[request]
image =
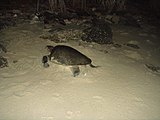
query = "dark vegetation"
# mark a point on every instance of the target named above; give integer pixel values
(147, 10)
(63, 5)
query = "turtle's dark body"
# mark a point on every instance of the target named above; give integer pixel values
(67, 56)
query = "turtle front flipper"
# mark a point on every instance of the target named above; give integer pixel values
(45, 61)
(75, 70)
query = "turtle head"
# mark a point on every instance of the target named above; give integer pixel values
(49, 48)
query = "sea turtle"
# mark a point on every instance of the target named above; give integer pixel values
(68, 56)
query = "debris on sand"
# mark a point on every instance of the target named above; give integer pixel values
(153, 68)
(3, 62)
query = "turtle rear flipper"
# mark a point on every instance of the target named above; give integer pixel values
(93, 66)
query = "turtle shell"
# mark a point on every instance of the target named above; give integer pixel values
(68, 56)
